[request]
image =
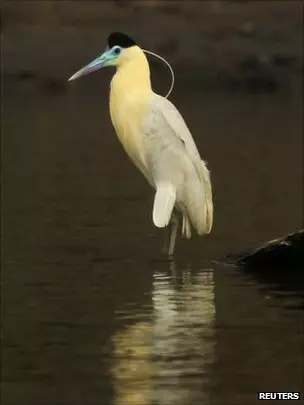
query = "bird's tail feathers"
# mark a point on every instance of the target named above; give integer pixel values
(201, 213)
(208, 198)
(164, 202)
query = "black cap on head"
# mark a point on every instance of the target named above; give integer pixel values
(120, 39)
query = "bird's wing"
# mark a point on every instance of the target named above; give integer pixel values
(164, 202)
(175, 121)
(166, 129)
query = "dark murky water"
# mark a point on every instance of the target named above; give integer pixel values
(92, 313)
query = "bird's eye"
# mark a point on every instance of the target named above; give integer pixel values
(117, 51)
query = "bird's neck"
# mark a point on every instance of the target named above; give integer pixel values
(132, 77)
(129, 100)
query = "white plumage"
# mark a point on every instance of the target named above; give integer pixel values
(172, 158)
(164, 201)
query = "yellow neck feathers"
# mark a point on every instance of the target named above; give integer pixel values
(129, 101)
(133, 73)
(130, 90)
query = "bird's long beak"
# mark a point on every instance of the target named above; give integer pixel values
(96, 64)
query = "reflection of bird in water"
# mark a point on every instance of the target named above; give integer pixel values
(164, 355)
(156, 138)
(131, 368)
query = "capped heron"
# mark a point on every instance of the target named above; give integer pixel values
(156, 138)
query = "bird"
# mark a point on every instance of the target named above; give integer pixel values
(157, 140)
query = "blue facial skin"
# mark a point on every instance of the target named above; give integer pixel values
(108, 58)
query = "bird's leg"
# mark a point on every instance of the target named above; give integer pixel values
(167, 238)
(170, 234)
(174, 228)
